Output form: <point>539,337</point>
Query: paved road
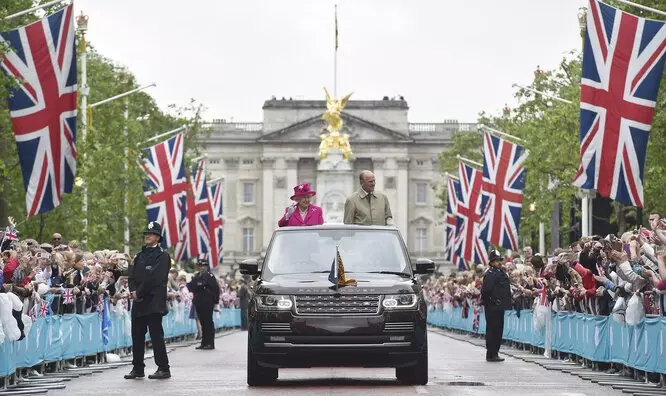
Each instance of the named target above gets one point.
<point>454,366</point>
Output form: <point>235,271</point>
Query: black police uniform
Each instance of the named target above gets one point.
<point>496,297</point>
<point>148,278</point>
<point>206,294</point>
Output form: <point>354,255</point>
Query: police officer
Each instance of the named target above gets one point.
<point>496,297</point>
<point>147,280</point>
<point>206,295</point>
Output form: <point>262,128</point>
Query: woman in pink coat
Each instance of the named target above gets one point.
<point>302,212</point>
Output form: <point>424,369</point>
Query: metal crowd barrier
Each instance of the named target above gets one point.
<point>59,348</point>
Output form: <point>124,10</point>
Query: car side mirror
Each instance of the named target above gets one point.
<point>425,266</point>
<point>249,267</point>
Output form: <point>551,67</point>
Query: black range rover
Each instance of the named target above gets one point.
<point>298,318</point>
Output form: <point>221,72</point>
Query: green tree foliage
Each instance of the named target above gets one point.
<point>101,159</point>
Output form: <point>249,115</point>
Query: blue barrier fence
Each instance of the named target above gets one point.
<point>62,337</point>
<point>597,338</point>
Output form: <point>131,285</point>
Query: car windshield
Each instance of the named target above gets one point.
<point>309,250</point>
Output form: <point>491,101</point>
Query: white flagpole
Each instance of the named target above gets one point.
<point>39,7</point>
<point>161,135</point>
<point>543,94</point>
<point>101,102</point>
<point>495,131</point>
<point>335,57</point>
<point>469,161</point>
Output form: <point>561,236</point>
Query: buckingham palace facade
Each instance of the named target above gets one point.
<point>259,163</point>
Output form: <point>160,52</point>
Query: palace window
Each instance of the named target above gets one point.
<point>421,242</point>
<point>421,193</point>
<point>248,240</point>
<point>248,193</point>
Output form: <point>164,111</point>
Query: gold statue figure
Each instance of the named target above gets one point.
<point>334,124</point>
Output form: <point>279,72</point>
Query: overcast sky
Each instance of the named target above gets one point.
<point>449,59</point>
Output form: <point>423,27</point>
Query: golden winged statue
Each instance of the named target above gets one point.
<point>334,124</point>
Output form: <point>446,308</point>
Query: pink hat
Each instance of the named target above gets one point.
<point>302,190</point>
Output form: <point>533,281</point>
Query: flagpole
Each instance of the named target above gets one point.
<point>335,57</point>
<point>481,126</point>
<point>469,161</point>
<point>165,134</point>
<point>543,94</point>
<point>82,25</point>
<point>646,8</point>
<point>39,7</point>
<point>451,176</point>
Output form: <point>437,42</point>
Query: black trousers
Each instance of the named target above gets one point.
<point>494,330</point>
<point>153,324</point>
<point>243,318</point>
<point>205,314</point>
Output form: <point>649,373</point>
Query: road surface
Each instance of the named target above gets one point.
<point>457,367</point>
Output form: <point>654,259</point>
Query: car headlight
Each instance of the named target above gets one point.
<point>272,302</point>
<point>400,301</point>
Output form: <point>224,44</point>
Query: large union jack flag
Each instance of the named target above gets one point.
<point>623,61</point>
<point>195,237</point>
<point>469,247</point>
<point>166,187</point>
<point>502,196</point>
<point>216,225</point>
<point>453,196</point>
<point>43,108</point>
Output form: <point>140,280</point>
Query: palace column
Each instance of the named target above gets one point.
<point>401,211</point>
<point>232,240</point>
<point>378,170</point>
<point>292,174</point>
<point>267,215</point>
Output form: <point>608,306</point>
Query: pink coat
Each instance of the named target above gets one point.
<point>314,216</point>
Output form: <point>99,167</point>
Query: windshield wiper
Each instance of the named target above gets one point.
<point>406,275</point>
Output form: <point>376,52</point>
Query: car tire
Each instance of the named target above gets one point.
<point>256,374</point>
<point>416,374</point>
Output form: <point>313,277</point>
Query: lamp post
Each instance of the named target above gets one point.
<point>582,21</point>
<point>82,27</point>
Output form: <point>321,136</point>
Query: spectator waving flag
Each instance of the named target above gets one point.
<point>453,196</point>
<point>216,227</point>
<point>166,186</point>
<point>43,108</point>
<point>623,61</point>
<point>502,195</point>
<point>469,247</point>
<point>195,237</point>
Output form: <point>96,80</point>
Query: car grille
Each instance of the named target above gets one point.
<point>337,305</point>
<point>399,327</point>
<point>276,327</point>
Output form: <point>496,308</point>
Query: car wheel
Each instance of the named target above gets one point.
<point>416,374</point>
<point>256,374</point>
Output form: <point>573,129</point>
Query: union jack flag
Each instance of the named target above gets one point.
<point>542,292</point>
<point>195,238</point>
<point>44,309</point>
<point>68,296</point>
<point>166,187</point>
<point>502,196</point>
<point>43,108</point>
<point>216,225</point>
<point>453,196</point>
<point>469,247</point>
<point>623,61</point>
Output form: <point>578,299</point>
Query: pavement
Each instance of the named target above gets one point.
<point>457,367</point>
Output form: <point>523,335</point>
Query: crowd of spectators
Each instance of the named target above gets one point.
<point>623,277</point>
<point>58,278</point>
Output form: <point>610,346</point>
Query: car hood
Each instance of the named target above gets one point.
<point>318,283</point>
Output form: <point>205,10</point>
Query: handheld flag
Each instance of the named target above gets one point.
<point>623,61</point>
<point>106,320</point>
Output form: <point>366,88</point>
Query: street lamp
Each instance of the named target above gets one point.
<point>582,20</point>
